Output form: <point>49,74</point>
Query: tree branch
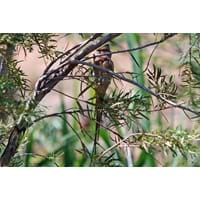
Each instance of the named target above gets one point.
<point>49,80</point>
<point>57,114</point>
<point>43,86</point>
<point>124,140</point>
<point>158,96</point>
<point>137,48</point>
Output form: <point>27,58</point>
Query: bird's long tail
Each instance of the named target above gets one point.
<point>99,102</point>
<point>103,80</point>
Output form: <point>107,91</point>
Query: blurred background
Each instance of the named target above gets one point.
<point>51,142</point>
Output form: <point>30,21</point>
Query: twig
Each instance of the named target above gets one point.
<point>45,83</point>
<point>74,98</point>
<point>123,140</point>
<point>59,57</point>
<point>57,114</point>
<point>137,48</point>
<point>148,62</point>
<point>43,86</point>
<point>141,87</point>
<point>93,37</point>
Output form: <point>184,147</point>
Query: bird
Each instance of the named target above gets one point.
<point>103,59</point>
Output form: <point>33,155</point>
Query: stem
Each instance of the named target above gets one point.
<point>43,86</point>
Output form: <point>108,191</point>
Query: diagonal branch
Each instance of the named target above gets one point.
<point>138,48</point>
<point>158,96</point>
<point>43,86</point>
<point>49,80</point>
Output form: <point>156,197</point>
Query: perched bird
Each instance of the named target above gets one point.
<point>102,81</point>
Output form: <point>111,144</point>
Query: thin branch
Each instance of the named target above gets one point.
<point>59,57</point>
<point>46,82</point>
<point>93,37</point>
<point>141,87</point>
<point>74,98</point>
<point>57,114</point>
<point>43,86</point>
<point>137,48</point>
<point>148,62</point>
<point>123,140</point>
<point>82,143</point>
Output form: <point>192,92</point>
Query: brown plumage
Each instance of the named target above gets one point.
<point>103,80</point>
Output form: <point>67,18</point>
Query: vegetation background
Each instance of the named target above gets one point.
<point>153,132</point>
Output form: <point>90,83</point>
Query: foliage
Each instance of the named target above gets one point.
<point>130,135</point>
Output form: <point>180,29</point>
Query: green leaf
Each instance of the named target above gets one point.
<point>133,40</point>
<point>68,149</point>
<point>145,159</point>
<point>195,68</point>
